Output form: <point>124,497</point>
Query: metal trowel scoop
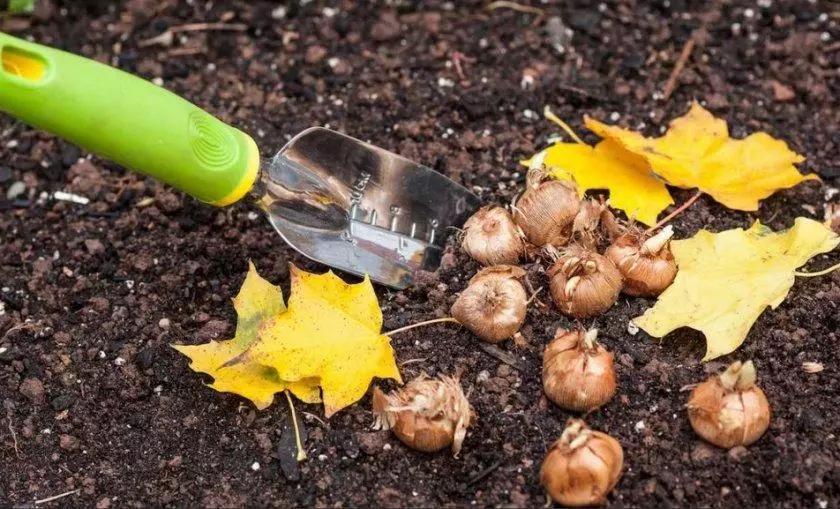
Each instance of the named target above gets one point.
<point>335,199</point>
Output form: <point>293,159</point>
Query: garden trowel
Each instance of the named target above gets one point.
<point>333,198</point>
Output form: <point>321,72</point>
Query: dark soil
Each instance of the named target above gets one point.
<point>95,400</point>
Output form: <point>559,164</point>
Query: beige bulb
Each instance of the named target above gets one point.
<point>578,373</point>
<point>493,305</point>
<point>491,237</point>
<point>729,409</point>
<point>582,467</point>
<point>427,414</point>
<point>582,282</point>
<point>646,263</point>
<point>546,210</point>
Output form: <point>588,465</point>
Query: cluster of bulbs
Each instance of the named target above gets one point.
<point>550,222</point>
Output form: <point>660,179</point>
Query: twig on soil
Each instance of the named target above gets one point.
<point>413,361</point>
<point>56,497</point>
<point>12,431</point>
<point>484,473</point>
<point>688,203</point>
<point>681,61</point>
<point>166,38</point>
<point>313,416</point>
<point>457,57</point>
<point>503,4</point>
<point>501,355</point>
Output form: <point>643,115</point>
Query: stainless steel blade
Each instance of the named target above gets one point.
<point>360,208</point>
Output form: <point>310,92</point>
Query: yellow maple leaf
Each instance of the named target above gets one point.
<point>698,152</point>
<point>633,188</point>
<point>257,304</point>
<point>331,331</point>
<point>727,279</point>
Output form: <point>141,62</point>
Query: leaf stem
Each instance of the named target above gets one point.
<point>547,113</point>
<point>301,454</point>
<point>820,273</point>
<point>676,212</point>
<point>421,324</point>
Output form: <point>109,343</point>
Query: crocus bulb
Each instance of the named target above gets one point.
<point>491,237</point>
<point>729,409</point>
<point>427,414</point>
<point>646,263</point>
<point>586,222</point>
<point>493,305</point>
<point>578,373</point>
<point>582,282</point>
<point>582,467</point>
<point>546,210</point>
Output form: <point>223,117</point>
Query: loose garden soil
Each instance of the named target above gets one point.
<point>92,295</point>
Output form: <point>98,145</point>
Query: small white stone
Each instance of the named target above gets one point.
<point>101,354</point>
<point>164,323</point>
<point>386,447</point>
<point>129,283</point>
<point>280,12</point>
<point>483,376</point>
<point>255,466</point>
<point>749,13</point>
<point>529,114</point>
<point>158,389</point>
<point>445,82</point>
<point>822,503</point>
<point>825,36</point>
<point>823,17</point>
<point>632,328</point>
<point>639,427</point>
<point>322,457</point>
<point>158,81</point>
<point>764,4</point>
<point>253,216</point>
<point>735,29</point>
<point>614,116</point>
<point>329,12</point>
<point>119,361</point>
<point>3,350</point>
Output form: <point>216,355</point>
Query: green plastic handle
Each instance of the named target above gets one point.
<point>126,119</point>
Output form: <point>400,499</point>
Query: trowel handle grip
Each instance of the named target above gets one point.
<point>126,119</point>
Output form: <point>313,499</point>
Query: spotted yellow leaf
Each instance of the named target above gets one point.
<point>256,305</point>
<point>326,345</point>
<point>697,151</point>
<point>727,279</point>
<point>332,332</point>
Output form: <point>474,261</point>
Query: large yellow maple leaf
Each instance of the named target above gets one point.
<point>326,345</point>
<point>257,304</point>
<point>698,152</point>
<point>727,279</point>
<point>633,188</point>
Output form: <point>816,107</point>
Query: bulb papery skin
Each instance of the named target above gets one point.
<point>646,264</point>
<point>427,414</point>
<point>546,210</point>
<point>494,304</point>
<point>583,283</point>
<point>578,373</point>
<point>728,409</point>
<point>582,467</point>
<point>490,237</point>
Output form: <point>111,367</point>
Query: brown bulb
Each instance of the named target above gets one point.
<point>582,467</point>
<point>578,373</point>
<point>491,237</point>
<point>832,216</point>
<point>728,409</point>
<point>587,220</point>
<point>646,263</point>
<point>427,414</point>
<point>582,282</point>
<point>493,305</point>
<point>546,210</point>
